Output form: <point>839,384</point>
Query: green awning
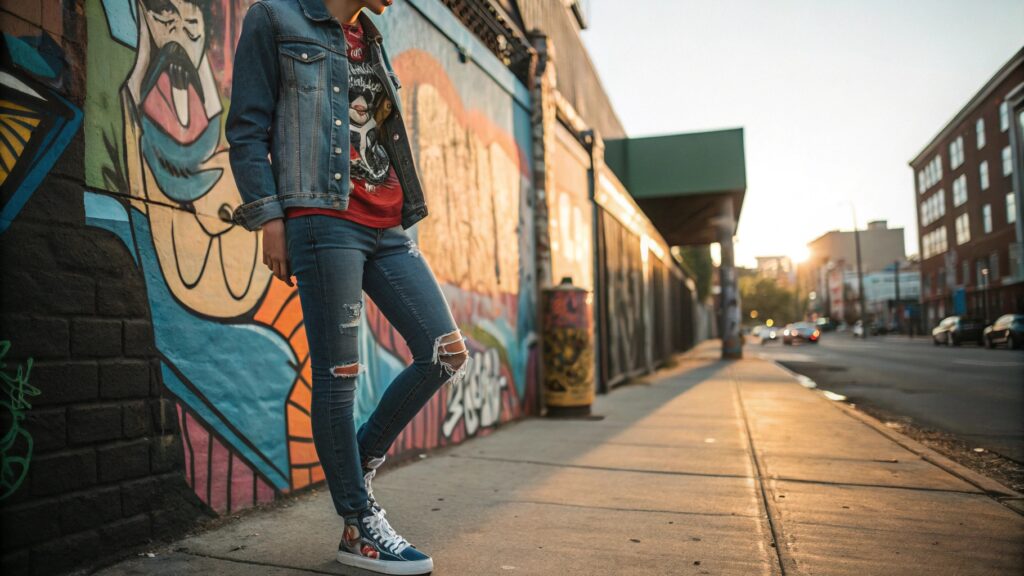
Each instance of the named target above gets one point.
<point>679,179</point>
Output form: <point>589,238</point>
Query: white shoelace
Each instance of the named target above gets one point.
<point>368,477</point>
<point>383,531</point>
<point>369,490</point>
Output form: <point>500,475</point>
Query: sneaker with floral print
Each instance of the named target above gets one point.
<point>369,542</point>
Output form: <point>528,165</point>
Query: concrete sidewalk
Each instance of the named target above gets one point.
<point>707,468</point>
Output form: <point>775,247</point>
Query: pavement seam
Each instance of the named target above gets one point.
<point>786,564</point>
<point>718,475</point>
<point>989,487</point>
<point>606,468</point>
<point>256,563</point>
<point>643,510</point>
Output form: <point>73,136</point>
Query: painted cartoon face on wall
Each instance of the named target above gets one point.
<point>172,114</point>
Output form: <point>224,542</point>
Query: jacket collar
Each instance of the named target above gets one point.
<point>369,29</point>
<point>315,10</point>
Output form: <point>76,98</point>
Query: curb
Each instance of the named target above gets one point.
<point>991,488</point>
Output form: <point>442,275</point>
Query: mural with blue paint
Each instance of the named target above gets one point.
<point>230,336</point>
<point>36,122</point>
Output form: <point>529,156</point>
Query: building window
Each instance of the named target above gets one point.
<point>963,229</point>
<point>956,153</point>
<point>966,271</point>
<point>1004,117</point>
<point>1007,162</point>
<point>960,190</point>
<point>1011,208</point>
<point>920,182</point>
<point>934,242</point>
<point>933,207</point>
<point>983,171</point>
<point>993,266</point>
<point>932,173</point>
<point>986,218</point>
<point>979,132</point>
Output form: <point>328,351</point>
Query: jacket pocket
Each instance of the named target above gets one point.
<point>302,65</point>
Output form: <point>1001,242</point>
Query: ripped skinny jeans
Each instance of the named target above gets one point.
<point>334,260</point>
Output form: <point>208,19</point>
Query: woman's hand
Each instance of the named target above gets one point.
<point>275,253</point>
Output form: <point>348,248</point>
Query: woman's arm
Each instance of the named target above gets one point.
<point>248,127</point>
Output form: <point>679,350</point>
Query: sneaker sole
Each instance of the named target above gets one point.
<point>393,567</point>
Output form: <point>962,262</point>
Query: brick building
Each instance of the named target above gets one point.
<point>969,212</point>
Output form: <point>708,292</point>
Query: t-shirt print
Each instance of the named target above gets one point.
<point>369,159</point>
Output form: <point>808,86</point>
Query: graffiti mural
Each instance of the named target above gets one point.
<point>230,337</point>
<point>36,122</point>
<point>16,442</point>
<point>570,213</point>
<point>623,346</point>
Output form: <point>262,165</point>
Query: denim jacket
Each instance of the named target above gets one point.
<point>289,102</point>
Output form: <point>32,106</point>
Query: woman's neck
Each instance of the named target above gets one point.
<point>346,11</point>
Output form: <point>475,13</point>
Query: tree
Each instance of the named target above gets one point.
<point>768,299</point>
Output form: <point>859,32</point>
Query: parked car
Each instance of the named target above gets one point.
<point>765,333</point>
<point>955,330</point>
<point>800,331</point>
<point>1007,329</point>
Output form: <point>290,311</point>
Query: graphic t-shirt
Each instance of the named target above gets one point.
<point>375,197</point>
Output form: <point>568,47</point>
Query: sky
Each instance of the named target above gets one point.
<point>835,96</point>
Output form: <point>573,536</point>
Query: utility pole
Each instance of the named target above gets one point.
<point>860,274</point>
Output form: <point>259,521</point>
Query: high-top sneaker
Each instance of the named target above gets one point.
<point>369,542</point>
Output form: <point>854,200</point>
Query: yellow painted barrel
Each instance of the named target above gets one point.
<point>568,349</point>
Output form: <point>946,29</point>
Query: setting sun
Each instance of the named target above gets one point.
<point>799,254</point>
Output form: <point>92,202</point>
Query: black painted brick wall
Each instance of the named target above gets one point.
<point>106,472</point>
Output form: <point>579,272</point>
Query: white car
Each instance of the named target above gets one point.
<point>765,333</point>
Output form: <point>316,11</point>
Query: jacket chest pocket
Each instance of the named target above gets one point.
<point>302,66</point>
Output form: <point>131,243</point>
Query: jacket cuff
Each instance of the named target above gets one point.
<point>253,215</point>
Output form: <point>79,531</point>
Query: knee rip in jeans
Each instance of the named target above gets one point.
<point>350,370</point>
<point>451,353</point>
<point>351,317</point>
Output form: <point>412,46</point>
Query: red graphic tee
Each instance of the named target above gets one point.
<point>375,197</point>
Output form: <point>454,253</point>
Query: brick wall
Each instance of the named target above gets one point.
<point>101,438</point>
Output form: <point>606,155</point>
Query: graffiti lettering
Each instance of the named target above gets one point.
<point>477,397</point>
<point>16,444</point>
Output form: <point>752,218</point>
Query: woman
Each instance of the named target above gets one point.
<point>314,89</point>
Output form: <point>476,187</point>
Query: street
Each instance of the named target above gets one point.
<point>969,391</point>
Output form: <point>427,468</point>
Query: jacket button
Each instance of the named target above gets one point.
<point>337,176</point>
<point>305,56</point>
<point>336,89</point>
<point>337,122</point>
<point>395,137</point>
<point>337,150</point>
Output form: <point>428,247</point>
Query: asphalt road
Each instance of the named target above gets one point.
<point>974,393</point>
